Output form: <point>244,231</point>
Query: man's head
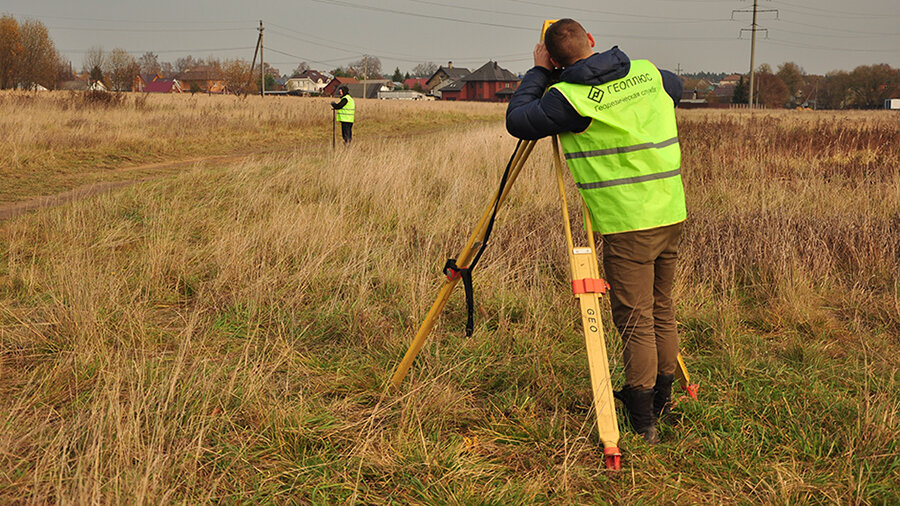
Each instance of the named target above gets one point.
<point>344,90</point>
<point>567,42</point>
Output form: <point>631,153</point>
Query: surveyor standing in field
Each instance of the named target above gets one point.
<point>345,110</point>
<point>615,119</point>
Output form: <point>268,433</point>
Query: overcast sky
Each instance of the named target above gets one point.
<point>695,35</point>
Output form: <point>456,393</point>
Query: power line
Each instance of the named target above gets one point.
<point>303,58</point>
<point>801,45</point>
<point>610,13</point>
<point>830,13</point>
<point>341,3</point>
<point>82,51</point>
<point>661,19</point>
<point>397,56</point>
<point>832,36</point>
<point>153,30</point>
<point>809,25</point>
<point>148,21</point>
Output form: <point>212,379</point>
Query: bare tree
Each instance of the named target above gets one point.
<point>186,63</point>
<point>10,51</point>
<point>39,61</point>
<point>367,67</point>
<point>120,69</point>
<point>426,69</point>
<point>149,63</point>
<point>95,58</point>
<point>64,71</point>
<point>166,69</point>
<point>301,68</point>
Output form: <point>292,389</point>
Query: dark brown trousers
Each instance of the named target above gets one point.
<point>640,268</point>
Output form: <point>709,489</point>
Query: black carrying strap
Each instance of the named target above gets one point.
<point>452,271</point>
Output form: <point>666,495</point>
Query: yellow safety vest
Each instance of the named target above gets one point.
<point>345,114</point>
<point>627,163</point>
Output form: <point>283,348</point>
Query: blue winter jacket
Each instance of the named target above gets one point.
<point>532,114</point>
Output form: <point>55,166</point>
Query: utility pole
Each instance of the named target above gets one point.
<point>678,71</point>
<point>262,64</point>
<point>753,29</point>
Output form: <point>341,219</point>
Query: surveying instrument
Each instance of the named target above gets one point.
<point>587,287</point>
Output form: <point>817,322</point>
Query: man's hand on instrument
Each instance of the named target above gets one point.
<point>542,57</point>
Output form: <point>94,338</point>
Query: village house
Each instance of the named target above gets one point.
<point>730,80</point>
<point>318,78</point>
<point>331,88</point>
<point>203,78</point>
<point>721,94</point>
<point>369,88</point>
<point>301,85</point>
<point>163,86</point>
<point>140,81</point>
<point>691,99</point>
<point>444,75</point>
<point>490,83</point>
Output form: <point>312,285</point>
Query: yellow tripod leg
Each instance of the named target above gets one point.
<point>588,288</point>
<point>462,260</point>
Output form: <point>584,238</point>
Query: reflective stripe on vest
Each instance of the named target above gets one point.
<point>345,114</point>
<point>627,163</point>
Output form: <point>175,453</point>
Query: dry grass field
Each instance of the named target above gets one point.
<point>224,332</point>
<point>51,143</point>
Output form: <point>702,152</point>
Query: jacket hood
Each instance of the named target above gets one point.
<point>598,68</point>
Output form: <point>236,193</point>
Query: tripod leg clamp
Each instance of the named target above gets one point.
<point>451,270</point>
<point>589,285</point>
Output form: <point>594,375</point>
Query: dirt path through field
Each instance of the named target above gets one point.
<point>12,209</point>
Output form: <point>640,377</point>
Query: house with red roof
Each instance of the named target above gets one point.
<point>331,88</point>
<point>163,86</point>
<point>140,81</point>
<point>730,80</point>
<point>490,83</point>
<point>412,82</point>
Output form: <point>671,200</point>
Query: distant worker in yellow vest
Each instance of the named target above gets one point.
<point>345,110</point>
<point>615,118</point>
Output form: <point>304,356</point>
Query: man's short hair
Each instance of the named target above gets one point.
<point>566,41</point>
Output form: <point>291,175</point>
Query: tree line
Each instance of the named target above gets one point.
<point>865,87</point>
<point>29,58</point>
